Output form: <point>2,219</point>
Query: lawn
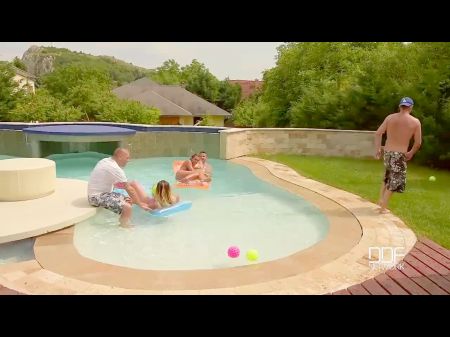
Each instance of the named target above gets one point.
<point>424,207</point>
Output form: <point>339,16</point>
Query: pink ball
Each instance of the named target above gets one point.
<point>233,252</point>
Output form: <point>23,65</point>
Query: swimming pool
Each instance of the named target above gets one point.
<point>17,251</point>
<point>238,210</point>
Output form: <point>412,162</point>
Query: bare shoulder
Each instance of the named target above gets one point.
<point>393,115</point>
<point>390,116</point>
<point>416,120</point>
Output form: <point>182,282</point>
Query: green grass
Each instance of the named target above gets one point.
<point>424,206</point>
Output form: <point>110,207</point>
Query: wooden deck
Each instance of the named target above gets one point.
<point>425,271</point>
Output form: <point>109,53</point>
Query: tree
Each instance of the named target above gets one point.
<point>249,112</point>
<point>119,71</point>
<point>206,121</point>
<point>10,94</point>
<point>200,81</point>
<point>19,64</point>
<point>60,81</point>
<point>229,95</point>
<point>91,98</point>
<point>355,86</point>
<point>43,107</point>
<point>168,73</point>
<point>197,79</point>
<point>123,111</point>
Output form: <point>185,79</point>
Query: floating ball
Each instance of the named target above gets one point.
<point>432,178</point>
<point>252,255</point>
<point>233,252</point>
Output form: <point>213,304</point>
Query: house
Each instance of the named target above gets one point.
<point>177,105</point>
<point>247,87</point>
<point>25,80</point>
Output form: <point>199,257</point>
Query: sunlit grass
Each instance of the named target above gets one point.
<point>424,207</point>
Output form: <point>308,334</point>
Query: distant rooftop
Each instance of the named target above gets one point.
<point>248,87</point>
<point>171,100</point>
<point>23,73</point>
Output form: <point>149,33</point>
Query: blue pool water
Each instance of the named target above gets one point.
<point>238,210</point>
<point>16,251</point>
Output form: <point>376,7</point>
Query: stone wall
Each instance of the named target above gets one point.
<point>228,143</point>
<point>347,143</point>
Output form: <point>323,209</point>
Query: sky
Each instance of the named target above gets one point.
<point>236,60</point>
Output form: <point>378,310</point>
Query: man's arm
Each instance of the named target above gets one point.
<point>120,176</point>
<point>131,192</point>
<point>417,141</point>
<point>378,136</point>
<point>135,196</point>
<point>208,169</point>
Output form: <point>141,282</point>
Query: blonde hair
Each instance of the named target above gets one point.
<point>163,194</point>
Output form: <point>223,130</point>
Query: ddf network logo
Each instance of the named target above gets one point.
<point>385,258</point>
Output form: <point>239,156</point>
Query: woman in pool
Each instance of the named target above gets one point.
<point>163,196</point>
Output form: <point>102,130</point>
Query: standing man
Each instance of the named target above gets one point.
<point>400,127</point>
<point>107,174</point>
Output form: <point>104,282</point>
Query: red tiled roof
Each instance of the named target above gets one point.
<point>247,87</point>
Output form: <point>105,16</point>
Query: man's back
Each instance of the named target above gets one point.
<point>400,129</point>
<point>105,174</point>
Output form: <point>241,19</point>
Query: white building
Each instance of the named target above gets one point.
<point>25,80</point>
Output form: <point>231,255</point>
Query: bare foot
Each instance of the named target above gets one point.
<point>126,225</point>
<point>383,211</point>
<point>194,182</point>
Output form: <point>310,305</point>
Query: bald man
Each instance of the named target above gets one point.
<point>107,174</point>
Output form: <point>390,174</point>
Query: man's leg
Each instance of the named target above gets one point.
<point>382,190</point>
<point>190,177</point>
<point>183,174</point>
<point>385,200</point>
<point>203,177</point>
<point>395,178</point>
<point>114,202</point>
<point>125,216</point>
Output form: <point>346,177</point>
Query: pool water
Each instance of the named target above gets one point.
<point>17,251</point>
<point>238,210</point>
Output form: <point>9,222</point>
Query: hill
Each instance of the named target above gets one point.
<point>42,60</point>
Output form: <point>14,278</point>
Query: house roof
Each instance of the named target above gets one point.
<point>23,73</point>
<point>247,87</point>
<point>171,100</point>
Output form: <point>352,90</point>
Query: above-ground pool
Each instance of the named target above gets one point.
<point>238,210</point>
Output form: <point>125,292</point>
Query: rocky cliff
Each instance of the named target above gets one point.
<point>38,63</point>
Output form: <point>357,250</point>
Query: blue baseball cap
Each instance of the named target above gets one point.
<point>406,101</point>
